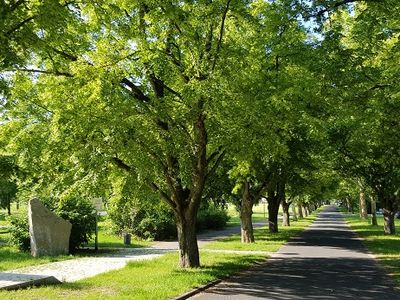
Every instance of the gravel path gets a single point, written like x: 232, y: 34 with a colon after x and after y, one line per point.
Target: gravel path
x: 327, y: 261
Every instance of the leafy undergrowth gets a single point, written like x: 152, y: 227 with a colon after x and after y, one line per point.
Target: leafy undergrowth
x: 385, y: 247
x: 156, y: 279
x: 264, y: 241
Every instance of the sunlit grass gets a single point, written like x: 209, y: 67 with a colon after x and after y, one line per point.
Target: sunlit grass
x: 156, y: 279
x: 386, y: 248
x: 265, y: 241
x: 106, y: 239
x: 260, y: 213
x: 11, y: 258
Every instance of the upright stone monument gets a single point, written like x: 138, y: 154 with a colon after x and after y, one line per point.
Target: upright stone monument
x: 49, y: 233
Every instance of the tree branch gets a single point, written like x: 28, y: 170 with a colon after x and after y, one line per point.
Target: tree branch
x: 216, y: 164
x: 121, y: 164
x: 136, y: 91
x: 163, y: 194
x: 19, y: 25
x: 64, y: 54
x: 58, y: 73
x: 221, y: 33
x: 15, y: 5
x: 341, y: 3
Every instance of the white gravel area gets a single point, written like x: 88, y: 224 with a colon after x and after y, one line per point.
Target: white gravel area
x: 76, y: 269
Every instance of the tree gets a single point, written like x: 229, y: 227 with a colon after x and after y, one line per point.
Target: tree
x: 131, y: 88
x: 363, y: 46
x: 8, y: 187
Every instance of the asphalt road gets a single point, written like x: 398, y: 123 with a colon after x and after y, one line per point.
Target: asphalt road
x: 327, y: 261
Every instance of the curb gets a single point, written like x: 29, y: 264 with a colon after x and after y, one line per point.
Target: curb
x: 35, y: 282
x: 197, y: 290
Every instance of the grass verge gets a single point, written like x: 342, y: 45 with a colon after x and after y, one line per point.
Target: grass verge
x: 265, y: 241
x: 386, y: 248
x: 156, y: 279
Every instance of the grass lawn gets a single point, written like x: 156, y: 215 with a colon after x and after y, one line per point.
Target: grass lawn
x: 385, y: 247
x: 265, y: 241
x: 260, y: 213
x: 11, y: 258
x: 155, y: 279
x: 106, y: 239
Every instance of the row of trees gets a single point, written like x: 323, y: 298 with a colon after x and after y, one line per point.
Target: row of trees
x: 187, y: 100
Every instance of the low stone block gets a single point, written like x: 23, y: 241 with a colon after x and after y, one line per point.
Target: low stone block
x: 49, y: 233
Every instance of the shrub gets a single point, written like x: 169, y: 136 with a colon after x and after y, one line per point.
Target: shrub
x: 19, y: 232
x: 157, y: 225
x: 81, y: 214
x: 211, y: 218
x: 156, y: 221
x: 153, y: 221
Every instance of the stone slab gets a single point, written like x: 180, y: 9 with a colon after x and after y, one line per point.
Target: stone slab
x: 14, y: 281
x: 49, y: 233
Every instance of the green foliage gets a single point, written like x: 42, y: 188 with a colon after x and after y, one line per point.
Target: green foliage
x: 8, y: 187
x: 81, y: 214
x: 157, y: 222
x: 19, y: 232
x: 212, y: 218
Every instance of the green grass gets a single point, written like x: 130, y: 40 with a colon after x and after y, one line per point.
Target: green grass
x: 107, y: 239
x: 155, y: 279
x: 3, y: 236
x: 11, y: 258
x: 260, y: 213
x: 4, y: 223
x: 386, y: 248
x: 265, y: 241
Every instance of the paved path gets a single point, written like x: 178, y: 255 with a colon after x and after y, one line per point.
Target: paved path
x: 326, y: 262
x: 76, y: 269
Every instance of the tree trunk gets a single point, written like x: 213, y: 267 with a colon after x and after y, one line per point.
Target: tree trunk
x: 273, y: 208
x: 305, y: 212
x: 294, y: 212
x: 9, y: 207
x: 275, y: 195
x: 349, y: 206
x: 246, y: 212
x: 188, y: 248
x: 300, y: 209
x: 388, y: 225
x: 363, y: 202
x: 374, y: 220
x: 286, y: 215
x: 389, y: 203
